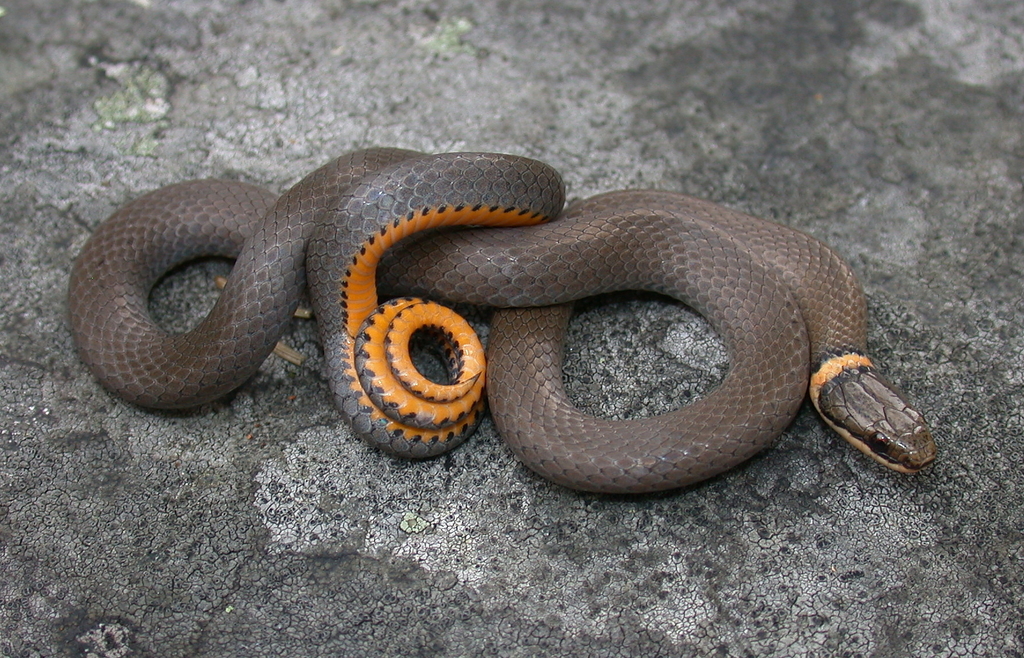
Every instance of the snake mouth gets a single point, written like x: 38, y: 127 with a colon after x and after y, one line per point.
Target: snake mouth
x: 896, y: 455
x: 908, y: 454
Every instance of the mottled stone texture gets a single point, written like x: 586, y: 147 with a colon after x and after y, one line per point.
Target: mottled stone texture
x: 257, y: 526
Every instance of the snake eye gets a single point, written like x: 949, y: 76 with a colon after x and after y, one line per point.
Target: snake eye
x: 879, y: 442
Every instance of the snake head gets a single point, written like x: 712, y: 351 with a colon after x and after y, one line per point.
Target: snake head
x: 872, y: 414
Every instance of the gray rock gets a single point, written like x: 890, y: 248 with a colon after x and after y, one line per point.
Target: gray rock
x: 257, y: 526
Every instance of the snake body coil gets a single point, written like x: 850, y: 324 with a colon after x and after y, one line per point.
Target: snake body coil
x: 784, y: 303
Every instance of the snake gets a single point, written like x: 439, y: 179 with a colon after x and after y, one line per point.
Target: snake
x: 493, y: 230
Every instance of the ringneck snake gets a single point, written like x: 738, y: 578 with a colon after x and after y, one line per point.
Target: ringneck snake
x: 789, y: 310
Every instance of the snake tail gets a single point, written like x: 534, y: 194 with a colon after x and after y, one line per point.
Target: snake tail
x: 382, y: 395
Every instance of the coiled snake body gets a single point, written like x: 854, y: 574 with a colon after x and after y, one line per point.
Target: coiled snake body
x: 787, y: 307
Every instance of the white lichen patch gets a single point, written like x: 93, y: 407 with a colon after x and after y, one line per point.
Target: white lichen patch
x: 141, y: 99
x: 446, y: 38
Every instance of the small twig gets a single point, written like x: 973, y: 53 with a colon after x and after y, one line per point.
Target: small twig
x: 288, y: 354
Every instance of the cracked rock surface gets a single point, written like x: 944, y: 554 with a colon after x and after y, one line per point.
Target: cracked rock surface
x: 257, y: 526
